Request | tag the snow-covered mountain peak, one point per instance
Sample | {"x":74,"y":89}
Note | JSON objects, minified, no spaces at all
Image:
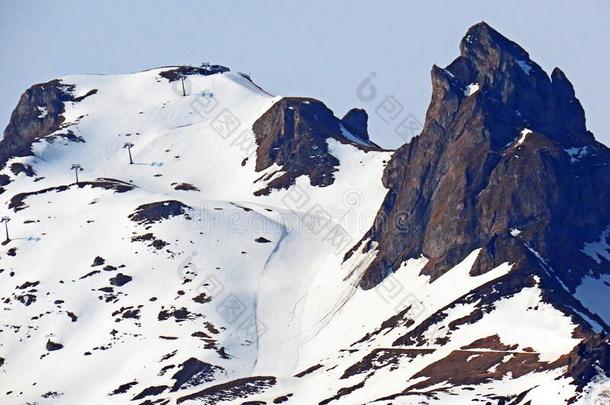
{"x":180,"y":235}
{"x":195,"y":126}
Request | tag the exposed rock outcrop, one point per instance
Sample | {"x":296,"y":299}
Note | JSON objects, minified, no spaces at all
{"x":179,"y":72}
{"x":37,"y":115}
{"x":588,"y":357}
{"x":504,"y":162}
{"x":356,"y":121}
{"x":157,"y":211}
{"x":293,"y":134}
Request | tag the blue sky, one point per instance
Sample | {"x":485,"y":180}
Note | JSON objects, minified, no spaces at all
{"x":321,"y":49}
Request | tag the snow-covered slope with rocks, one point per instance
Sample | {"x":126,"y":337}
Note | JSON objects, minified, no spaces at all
{"x":223,"y":265}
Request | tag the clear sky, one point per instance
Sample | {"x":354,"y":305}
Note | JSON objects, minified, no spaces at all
{"x":322,"y":48}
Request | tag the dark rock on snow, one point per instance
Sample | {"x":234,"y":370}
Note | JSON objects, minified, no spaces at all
{"x":120,"y":280}
{"x":356,"y":121}
{"x":293,"y":134}
{"x":37,"y":115}
{"x":17,"y":168}
{"x":232,"y":390}
{"x":157,"y":211}
{"x":176,"y":73}
{"x":52,"y":346}
{"x":150,"y":392}
{"x":194,"y":372}
{"x":123,"y":388}
{"x":17,"y":202}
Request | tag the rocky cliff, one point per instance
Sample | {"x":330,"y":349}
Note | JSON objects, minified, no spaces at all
{"x":504,"y":162}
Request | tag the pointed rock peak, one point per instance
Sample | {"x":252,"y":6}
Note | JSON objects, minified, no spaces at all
{"x":562,"y":86}
{"x":499,"y":150}
{"x":482,"y":40}
{"x":558,"y":74}
{"x":356,"y":121}
{"x":513,"y":86}
{"x":441,"y":75}
{"x":444,"y":79}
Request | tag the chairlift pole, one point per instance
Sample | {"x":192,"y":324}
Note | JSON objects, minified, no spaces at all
{"x":5,"y":220}
{"x":76,"y":167}
{"x":128,"y":146}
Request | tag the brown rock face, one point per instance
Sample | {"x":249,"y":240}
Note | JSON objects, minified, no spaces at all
{"x":504,"y":146}
{"x":588,"y":355}
{"x":37,"y":115}
{"x":293,"y":134}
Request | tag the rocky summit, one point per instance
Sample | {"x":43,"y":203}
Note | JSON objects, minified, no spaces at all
{"x":182,"y":236}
